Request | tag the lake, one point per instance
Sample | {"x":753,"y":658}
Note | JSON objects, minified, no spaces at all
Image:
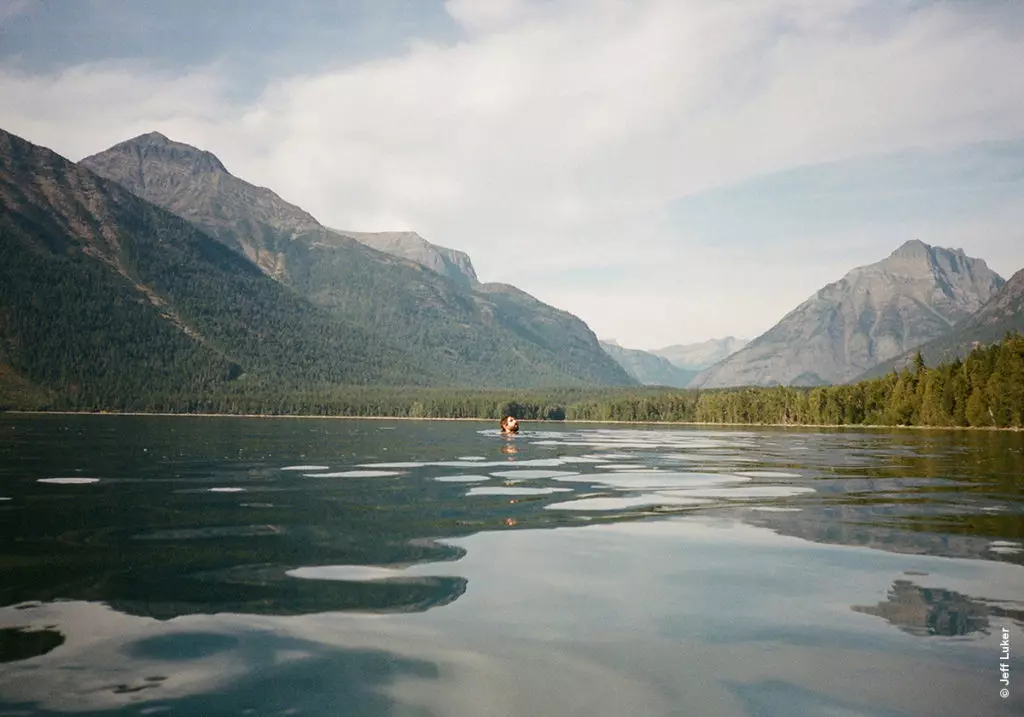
{"x":246,"y":566}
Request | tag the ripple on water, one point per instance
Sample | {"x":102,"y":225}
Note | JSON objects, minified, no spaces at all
{"x":401,"y":464}
{"x":466,"y":478}
{"x":226,"y":489}
{"x":365,"y":573}
{"x":357,"y":573}
{"x":306,"y":468}
{"x":68,"y":481}
{"x":634,"y":480}
{"x":609,"y":503}
{"x":1005,"y":547}
{"x":228,"y":531}
{"x":751,"y":491}
{"x":768,"y":474}
{"x":354,"y":474}
{"x":514,"y":490}
{"x":529,"y":474}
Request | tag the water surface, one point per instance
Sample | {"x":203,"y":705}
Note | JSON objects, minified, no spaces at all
{"x":206,"y":566}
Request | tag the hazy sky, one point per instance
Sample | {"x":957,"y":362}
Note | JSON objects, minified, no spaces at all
{"x":668,"y":170}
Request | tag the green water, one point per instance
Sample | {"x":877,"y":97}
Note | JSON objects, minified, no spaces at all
{"x":209,"y":566}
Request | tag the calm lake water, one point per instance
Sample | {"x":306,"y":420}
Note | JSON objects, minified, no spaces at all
{"x":216,"y":566}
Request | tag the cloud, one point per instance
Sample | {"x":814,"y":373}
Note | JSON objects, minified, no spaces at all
{"x":87,"y":108}
{"x":564,"y":128}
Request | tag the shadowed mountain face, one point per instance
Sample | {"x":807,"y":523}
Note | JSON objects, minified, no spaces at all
{"x":695,"y":357}
{"x":647,"y":368}
{"x":872,"y":314}
{"x":1003,"y":313}
{"x":413,"y":295}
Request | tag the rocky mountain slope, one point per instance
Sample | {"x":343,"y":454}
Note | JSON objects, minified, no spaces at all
{"x":872,"y":314}
{"x":695,"y":357}
{"x":105,"y":298}
{"x":455,"y":265}
{"x":647,"y":368}
{"x":469,"y":334}
{"x":1002,"y":313}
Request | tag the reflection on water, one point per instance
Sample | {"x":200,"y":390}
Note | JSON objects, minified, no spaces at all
{"x":241,"y":566}
{"x":929,"y":611}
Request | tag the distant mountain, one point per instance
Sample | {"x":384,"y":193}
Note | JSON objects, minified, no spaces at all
{"x":695,"y":357}
{"x":872,"y":314}
{"x":470,"y":334}
{"x":456,"y":265}
{"x":1002,"y":313}
{"x":647,"y":368}
{"x":106,"y":298}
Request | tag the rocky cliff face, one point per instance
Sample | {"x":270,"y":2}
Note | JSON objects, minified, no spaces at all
{"x":456,"y":265}
{"x":695,"y":357}
{"x":872,"y":314}
{"x":1002,"y":313}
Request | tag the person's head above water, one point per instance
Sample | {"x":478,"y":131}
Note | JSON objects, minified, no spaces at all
{"x":509,"y":425}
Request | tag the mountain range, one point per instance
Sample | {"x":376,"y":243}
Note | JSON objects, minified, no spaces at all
{"x":647,"y":368}
{"x":149,"y":270}
{"x":699,"y":356}
{"x":405,"y":291}
{"x":871,"y":315}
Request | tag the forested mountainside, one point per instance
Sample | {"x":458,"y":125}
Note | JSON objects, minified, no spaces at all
{"x":469,"y":334}
{"x":105,"y":298}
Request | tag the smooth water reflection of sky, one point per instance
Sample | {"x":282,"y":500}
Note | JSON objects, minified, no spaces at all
{"x":744,"y":603}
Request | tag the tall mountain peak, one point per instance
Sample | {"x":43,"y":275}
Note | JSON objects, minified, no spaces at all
{"x":153,"y":137}
{"x":872,"y":314}
{"x":913,"y":248}
{"x":194,"y":184}
{"x":155,"y":143}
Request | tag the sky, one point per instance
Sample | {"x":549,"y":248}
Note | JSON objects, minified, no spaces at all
{"x":667,"y":170}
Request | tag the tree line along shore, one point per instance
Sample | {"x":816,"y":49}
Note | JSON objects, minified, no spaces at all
{"x":984,"y":390}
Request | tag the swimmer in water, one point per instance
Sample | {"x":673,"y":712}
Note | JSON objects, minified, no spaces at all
{"x":509,"y":425}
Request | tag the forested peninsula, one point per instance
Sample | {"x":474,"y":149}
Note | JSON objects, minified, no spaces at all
{"x":985,"y":390}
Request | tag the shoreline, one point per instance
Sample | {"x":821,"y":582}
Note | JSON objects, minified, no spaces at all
{"x":689,"y":424}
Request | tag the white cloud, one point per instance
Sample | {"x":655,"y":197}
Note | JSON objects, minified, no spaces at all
{"x":563,"y":127}
{"x":88,"y":108}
